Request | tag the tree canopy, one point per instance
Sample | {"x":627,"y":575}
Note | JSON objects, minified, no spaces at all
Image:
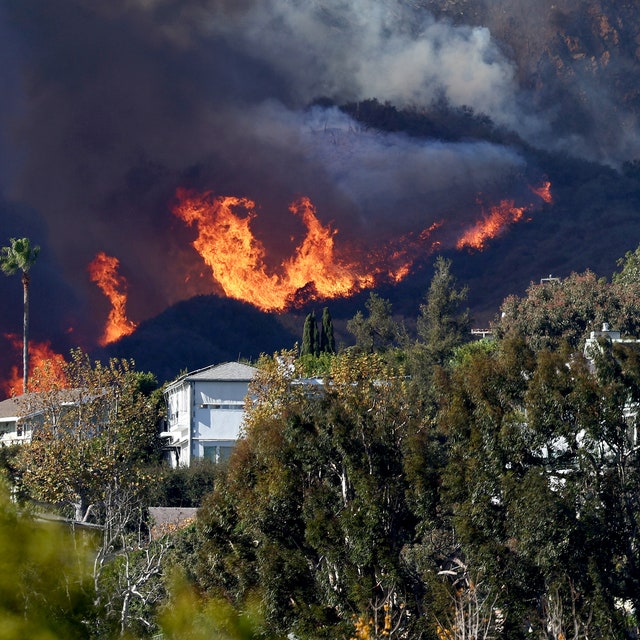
{"x":91,"y":437}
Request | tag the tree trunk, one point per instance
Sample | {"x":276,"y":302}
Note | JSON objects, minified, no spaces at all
{"x":25,"y":334}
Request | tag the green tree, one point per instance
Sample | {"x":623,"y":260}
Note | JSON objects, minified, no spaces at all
{"x":20,"y":255}
{"x":443,"y":324}
{"x":183,"y":486}
{"x":539,"y":463}
{"x":314,"y":510}
{"x":568,"y":309}
{"x":629,"y":268}
{"x":90,"y":438}
{"x":378,"y":331}
{"x":310,"y":337}
{"x":327,"y":339}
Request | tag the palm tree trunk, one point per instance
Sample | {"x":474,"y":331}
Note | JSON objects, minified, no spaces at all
{"x":25,"y":333}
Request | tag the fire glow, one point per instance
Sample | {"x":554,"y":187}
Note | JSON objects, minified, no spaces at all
{"x":316,"y":270}
{"x":45,"y":365}
{"x":103,"y":270}
{"x":499,"y":218}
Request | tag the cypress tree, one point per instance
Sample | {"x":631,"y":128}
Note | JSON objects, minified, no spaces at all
{"x":310,"y":338}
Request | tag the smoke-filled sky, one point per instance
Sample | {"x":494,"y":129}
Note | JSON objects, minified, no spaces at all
{"x":108,"y":107}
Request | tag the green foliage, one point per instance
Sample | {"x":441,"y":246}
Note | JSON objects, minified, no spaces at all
{"x":316,"y":366}
{"x":92,"y":439}
{"x":536,"y":480}
{"x":569,"y":309}
{"x":465,"y":352}
{"x":443,"y":324}
{"x":377,"y":332}
{"x":181,"y":487}
{"x":20,"y":255}
{"x":315,"y":509}
{"x":629,"y":273}
{"x":10,"y":468}
{"x":189,"y":616}
{"x":310,"y":336}
{"x":318,"y":341}
{"x":327,"y":339}
{"x":45,"y":587}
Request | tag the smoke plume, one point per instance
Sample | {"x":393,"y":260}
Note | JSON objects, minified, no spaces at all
{"x":112,"y":106}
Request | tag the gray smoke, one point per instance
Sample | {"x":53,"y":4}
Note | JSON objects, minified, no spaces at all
{"x":111,"y":106}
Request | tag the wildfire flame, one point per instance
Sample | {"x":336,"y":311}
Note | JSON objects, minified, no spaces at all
{"x":499,"y":218}
{"x":491,"y":225}
{"x":103,"y":270}
{"x":544,"y":192}
{"x":316,"y":270}
{"x":46,"y":367}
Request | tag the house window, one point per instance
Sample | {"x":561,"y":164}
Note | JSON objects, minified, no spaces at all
{"x":217,"y":453}
{"x":7,"y":427}
{"x":227,"y":407}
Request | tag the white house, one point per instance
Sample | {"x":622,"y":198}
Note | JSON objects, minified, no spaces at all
{"x":14,"y":429}
{"x":21,"y":415}
{"x":205,"y":409}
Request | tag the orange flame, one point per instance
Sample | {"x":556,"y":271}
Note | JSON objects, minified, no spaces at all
{"x":491,"y":225}
{"x":237,"y":258}
{"x":103,"y":270}
{"x":543,"y":191}
{"x":47,"y":368}
{"x":500,"y":218}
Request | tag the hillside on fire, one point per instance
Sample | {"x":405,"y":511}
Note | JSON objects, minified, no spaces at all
{"x":289,"y":155}
{"x":435,"y":488}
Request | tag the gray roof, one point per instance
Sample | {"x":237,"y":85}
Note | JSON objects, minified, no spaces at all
{"x":34,"y":402}
{"x":10,"y":408}
{"x":228,"y":371}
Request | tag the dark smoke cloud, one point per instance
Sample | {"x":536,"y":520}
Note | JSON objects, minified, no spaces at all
{"x":111,"y":106}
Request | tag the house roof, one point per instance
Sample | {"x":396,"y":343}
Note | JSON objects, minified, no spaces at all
{"x":10,"y":408}
{"x":31,"y":404}
{"x":228,"y":371}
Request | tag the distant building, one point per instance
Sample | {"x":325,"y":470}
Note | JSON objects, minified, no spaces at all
{"x":205,"y":410}
{"x":592,"y":347}
{"x":21,"y":415}
{"x":14,"y":427}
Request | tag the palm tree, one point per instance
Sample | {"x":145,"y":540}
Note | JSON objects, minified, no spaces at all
{"x":20,"y":256}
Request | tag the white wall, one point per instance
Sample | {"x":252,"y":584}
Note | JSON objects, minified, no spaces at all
{"x":205,"y":417}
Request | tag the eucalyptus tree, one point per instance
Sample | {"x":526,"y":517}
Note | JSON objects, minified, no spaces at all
{"x":541,"y":484}
{"x":21,"y":255}
{"x":315,"y":511}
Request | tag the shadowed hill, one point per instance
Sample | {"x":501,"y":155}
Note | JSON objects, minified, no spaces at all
{"x":202,"y":331}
